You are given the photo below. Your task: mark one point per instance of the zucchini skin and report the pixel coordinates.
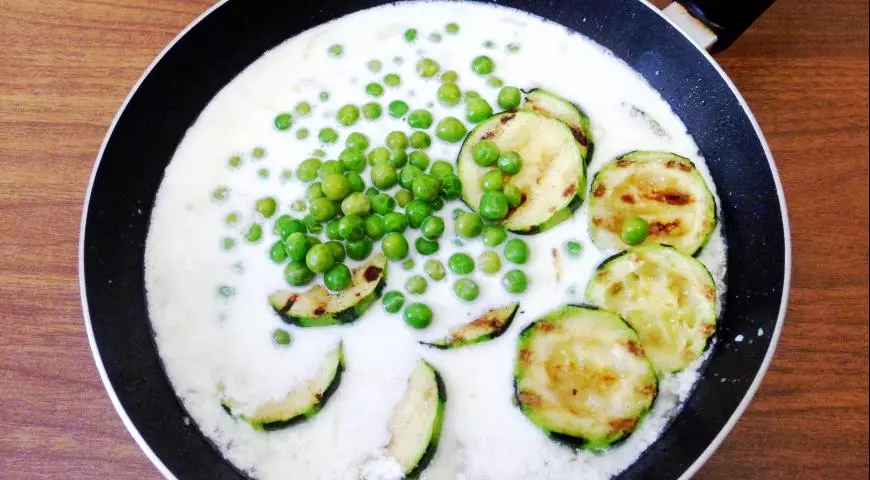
(432, 448)
(446, 344)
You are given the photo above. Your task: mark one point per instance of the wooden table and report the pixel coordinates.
(66, 66)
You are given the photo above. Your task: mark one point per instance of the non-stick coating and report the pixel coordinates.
(236, 33)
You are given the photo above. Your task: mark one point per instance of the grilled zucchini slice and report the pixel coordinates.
(554, 106)
(302, 403)
(582, 377)
(664, 189)
(552, 180)
(668, 297)
(415, 425)
(317, 307)
(487, 327)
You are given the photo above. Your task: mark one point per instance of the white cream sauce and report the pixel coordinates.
(206, 340)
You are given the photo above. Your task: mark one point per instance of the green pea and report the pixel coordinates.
(379, 155)
(426, 247)
(425, 187)
(322, 209)
(358, 141)
(375, 66)
(372, 111)
(416, 285)
(493, 206)
(494, 235)
(477, 110)
(312, 225)
(485, 153)
(452, 28)
(359, 249)
(450, 76)
(353, 159)
(314, 191)
(266, 206)
(451, 187)
(330, 167)
(336, 50)
(407, 176)
(327, 135)
(494, 82)
(516, 251)
(482, 65)
(254, 233)
(418, 315)
(303, 108)
(449, 94)
(286, 225)
(440, 169)
(419, 159)
(492, 181)
(235, 161)
(432, 227)
(397, 140)
(395, 222)
(393, 301)
(351, 227)
(509, 98)
(395, 246)
(392, 79)
(408, 264)
(515, 281)
(337, 250)
(466, 289)
(510, 163)
(513, 47)
(398, 108)
(221, 194)
(450, 130)
(428, 68)
(514, 195)
(468, 225)
(356, 203)
(420, 118)
(337, 278)
(281, 337)
(374, 226)
(332, 230)
(371, 192)
(383, 204)
(357, 184)
(298, 274)
(634, 231)
(336, 187)
(384, 176)
(460, 264)
(347, 115)
(302, 133)
(398, 158)
(277, 252)
(417, 211)
(283, 121)
(232, 218)
(403, 197)
(420, 140)
(258, 152)
(437, 204)
(489, 262)
(411, 34)
(375, 89)
(297, 246)
(263, 173)
(435, 269)
(489, 44)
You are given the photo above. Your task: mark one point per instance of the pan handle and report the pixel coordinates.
(726, 19)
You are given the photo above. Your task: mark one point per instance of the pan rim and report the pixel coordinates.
(687, 474)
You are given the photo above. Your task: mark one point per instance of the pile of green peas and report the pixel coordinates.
(499, 195)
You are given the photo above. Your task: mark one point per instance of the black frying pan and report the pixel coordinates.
(233, 34)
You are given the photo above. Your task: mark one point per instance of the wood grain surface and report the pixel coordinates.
(66, 66)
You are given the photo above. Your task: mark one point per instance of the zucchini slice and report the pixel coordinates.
(487, 327)
(552, 180)
(668, 297)
(415, 425)
(664, 189)
(582, 377)
(554, 106)
(302, 403)
(317, 307)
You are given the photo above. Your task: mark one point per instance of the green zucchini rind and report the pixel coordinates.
(668, 297)
(664, 189)
(317, 307)
(488, 326)
(552, 180)
(301, 403)
(554, 106)
(582, 377)
(415, 425)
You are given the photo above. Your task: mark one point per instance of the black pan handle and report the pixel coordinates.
(728, 19)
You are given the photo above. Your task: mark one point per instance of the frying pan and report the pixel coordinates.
(231, 35)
